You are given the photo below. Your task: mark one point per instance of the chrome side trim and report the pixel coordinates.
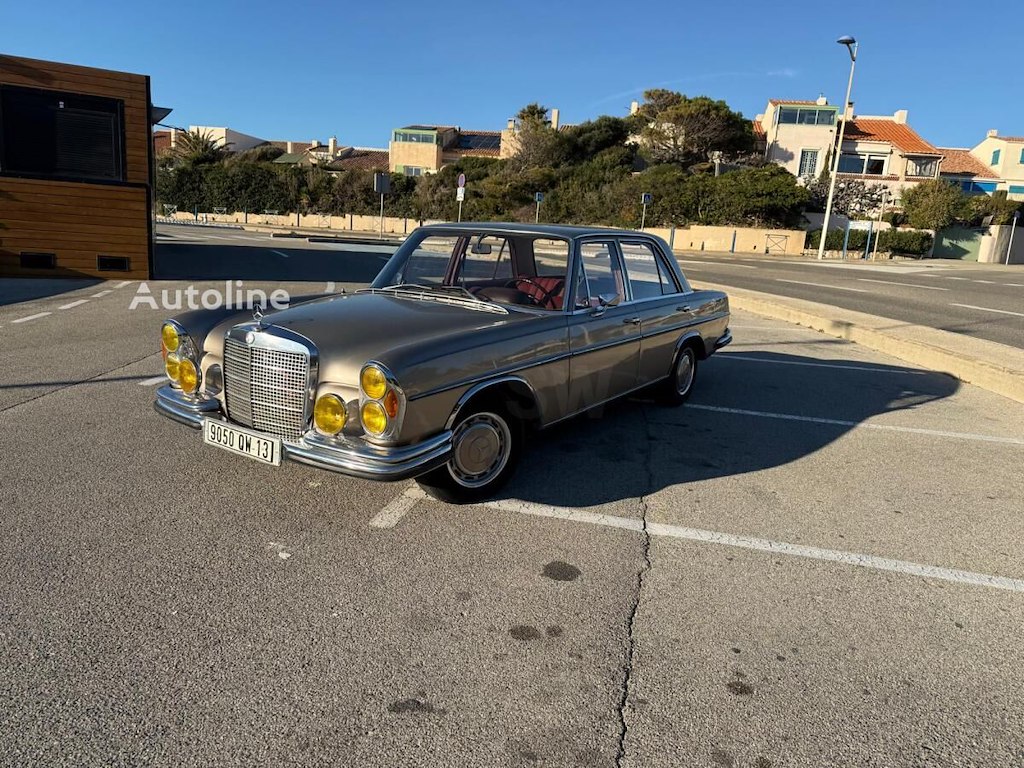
(502, 372)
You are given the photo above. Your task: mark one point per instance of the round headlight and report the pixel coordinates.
(329, 414)
(169, 334)
(374, 382)
(188, 376)
(375, 421)
(171, 367)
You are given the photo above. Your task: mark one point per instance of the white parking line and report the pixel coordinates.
(986, 282)
(861, 425)
(821, 285)
(950, 277)
(74, 304)
(100, 295)
(742, 358)
(282, 255)
(902, 285)
(989, 309)
(122, 284)
(406, 502)
(152, 381)
(31, 317)
(398, 508)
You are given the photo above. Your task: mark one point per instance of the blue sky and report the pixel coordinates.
(305, 70)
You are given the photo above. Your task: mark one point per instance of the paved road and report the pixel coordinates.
(815, 562)
(986, 301)
(981, 300)
(207, 253)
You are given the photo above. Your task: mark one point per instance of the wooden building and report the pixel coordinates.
(76, 171)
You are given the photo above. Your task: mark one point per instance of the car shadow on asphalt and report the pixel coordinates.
(794, 407)
(15, 290)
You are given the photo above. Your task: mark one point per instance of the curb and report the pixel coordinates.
(995, 367)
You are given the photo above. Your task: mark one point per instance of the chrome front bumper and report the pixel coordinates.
(347, 456)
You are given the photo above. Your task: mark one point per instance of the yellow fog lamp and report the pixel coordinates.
(329, 414)
(172, 366)
(188, 376)
(170, 338)
(375, 421)
(373, 382)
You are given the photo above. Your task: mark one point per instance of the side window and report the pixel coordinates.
(599, 274)
(486, 258)
(648, 276)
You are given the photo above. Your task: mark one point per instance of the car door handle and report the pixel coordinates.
(631, 321)
(684, 308)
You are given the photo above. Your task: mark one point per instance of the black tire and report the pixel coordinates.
(676, 389)
(473, 473)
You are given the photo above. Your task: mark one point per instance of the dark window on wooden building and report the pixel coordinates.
(49, 134)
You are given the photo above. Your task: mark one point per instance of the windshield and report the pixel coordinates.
(499, 267)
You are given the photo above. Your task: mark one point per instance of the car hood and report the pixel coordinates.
(350, 329)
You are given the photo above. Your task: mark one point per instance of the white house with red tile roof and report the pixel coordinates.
(797, 134)
(968, 172)
(886, 150)
(1003, 156)
(800, 135)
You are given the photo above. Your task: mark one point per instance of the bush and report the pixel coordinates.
(907, 241)
(834, 241)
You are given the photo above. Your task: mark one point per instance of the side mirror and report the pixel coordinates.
(608, 299)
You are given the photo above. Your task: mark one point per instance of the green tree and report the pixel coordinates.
(981, 207)
(197, 148)
(934, 204)
(687, 131)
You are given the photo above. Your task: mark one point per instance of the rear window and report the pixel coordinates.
(551, 257)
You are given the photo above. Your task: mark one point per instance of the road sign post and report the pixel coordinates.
(1013, 228)
(645, 199)
(539, 198)
(382, 186)
(460, 192)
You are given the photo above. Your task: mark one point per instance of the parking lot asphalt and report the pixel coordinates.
(814, 562)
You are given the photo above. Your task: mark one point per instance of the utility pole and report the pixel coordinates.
(851, 47)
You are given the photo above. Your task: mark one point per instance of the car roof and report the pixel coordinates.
(564, 231)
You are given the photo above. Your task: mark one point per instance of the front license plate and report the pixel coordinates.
(242, 441)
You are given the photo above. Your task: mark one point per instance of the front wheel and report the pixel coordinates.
(676, 389)
(486, 444)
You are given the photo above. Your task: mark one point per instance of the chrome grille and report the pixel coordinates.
(265, 388)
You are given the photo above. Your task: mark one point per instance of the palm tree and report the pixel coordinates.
(198, 148)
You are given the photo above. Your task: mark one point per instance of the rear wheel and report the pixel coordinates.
(486, 444)
(676, 389)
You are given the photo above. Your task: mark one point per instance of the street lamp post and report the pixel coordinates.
(851, 47)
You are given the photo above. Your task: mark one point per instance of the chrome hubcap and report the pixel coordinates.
(480, 449)
(684, 372)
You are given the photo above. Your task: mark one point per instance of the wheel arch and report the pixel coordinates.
(513, 391)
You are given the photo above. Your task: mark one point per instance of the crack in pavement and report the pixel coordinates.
(71, 384)
(642, 571)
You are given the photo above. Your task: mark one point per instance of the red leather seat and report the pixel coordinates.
(547, 291)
